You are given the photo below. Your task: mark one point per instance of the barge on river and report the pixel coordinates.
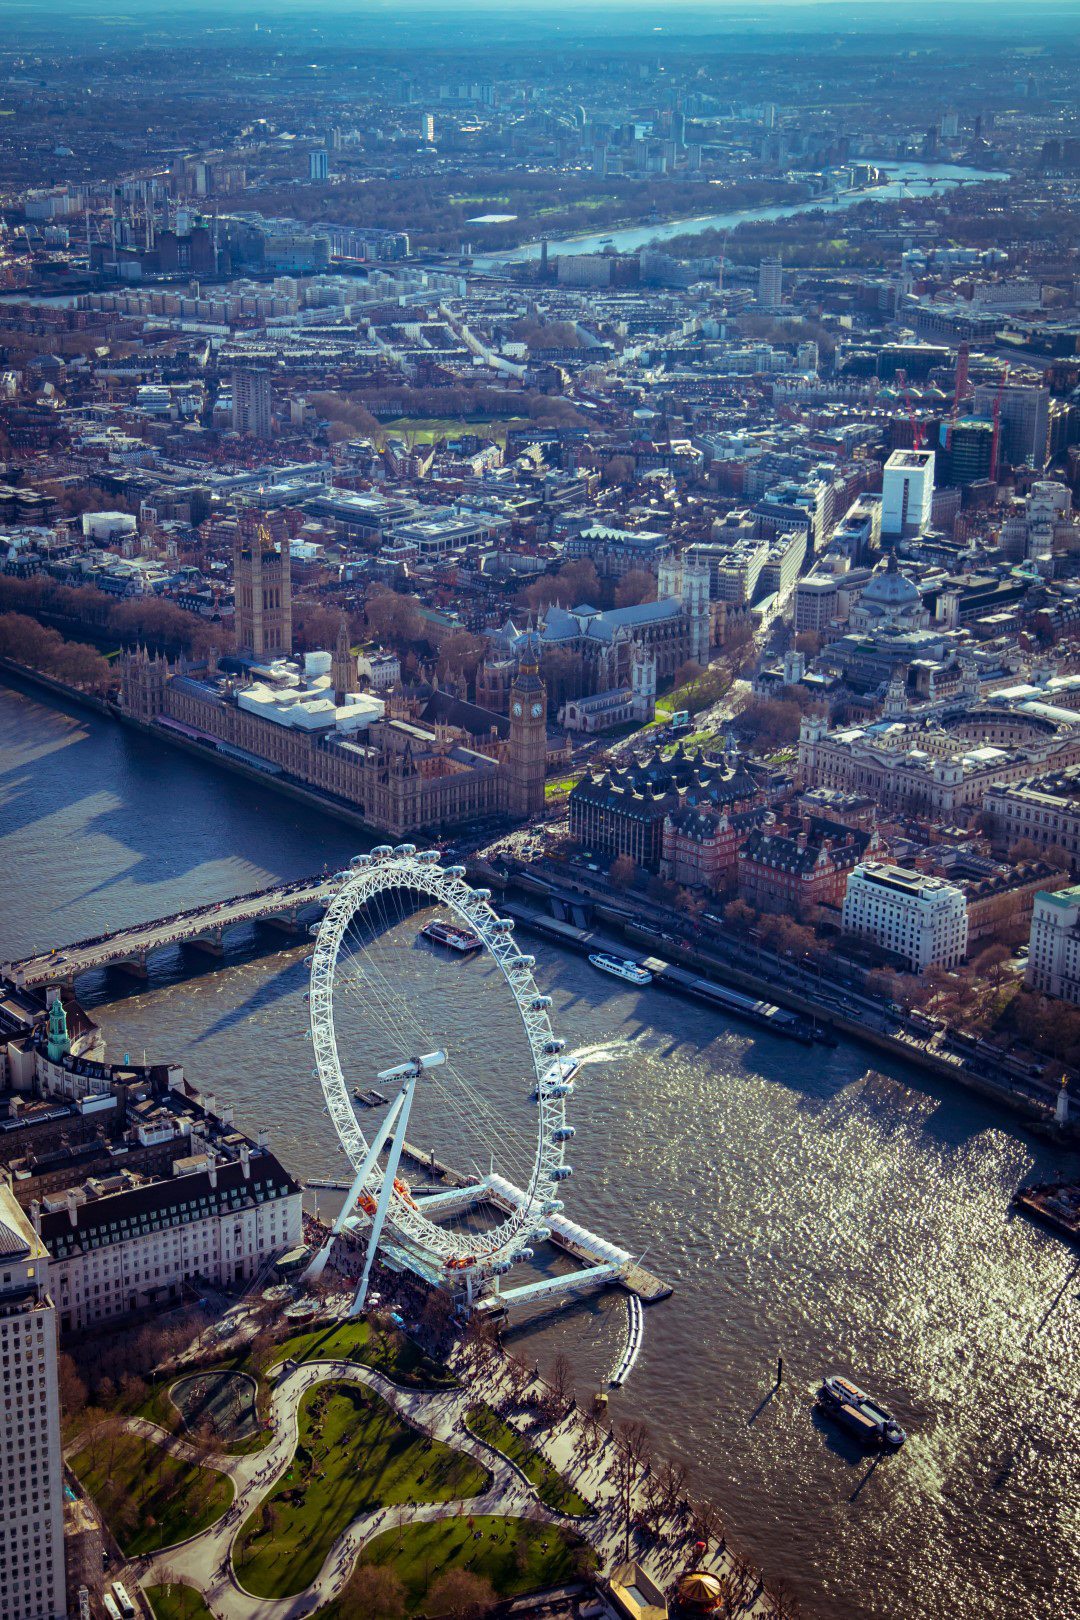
(1055, 1203)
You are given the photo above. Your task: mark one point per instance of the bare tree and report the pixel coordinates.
(373, 1593)
(460, 1593)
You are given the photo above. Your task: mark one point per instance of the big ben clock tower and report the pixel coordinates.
(527, 759)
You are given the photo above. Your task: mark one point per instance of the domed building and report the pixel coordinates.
(889, 601)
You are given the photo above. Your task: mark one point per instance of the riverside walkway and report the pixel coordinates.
(203, 928)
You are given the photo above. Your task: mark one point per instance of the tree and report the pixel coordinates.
(622, 871)
(373, 1593)
(635, 587)
(562, 1380)
(72, 1388)
(990, 962)
(460, 653)
(688, 674)
(392, 617)
(739, 917)
(460, 1593)
(619, 470)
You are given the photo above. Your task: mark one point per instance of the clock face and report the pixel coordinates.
(537, 711)
(517, 711)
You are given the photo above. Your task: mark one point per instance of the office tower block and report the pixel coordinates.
(770, 286)
(31, 1463)
(251, 401)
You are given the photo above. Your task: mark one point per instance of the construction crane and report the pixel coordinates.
(962, 355)
(918, 431)
(995, 442)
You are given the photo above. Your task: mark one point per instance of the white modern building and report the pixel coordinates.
(31, 1462)
(921, 919)
(907, 493)
(1054, 945)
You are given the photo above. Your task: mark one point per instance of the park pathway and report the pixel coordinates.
(205, 1560)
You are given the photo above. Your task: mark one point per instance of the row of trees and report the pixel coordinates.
(32, 644)
(160, 624)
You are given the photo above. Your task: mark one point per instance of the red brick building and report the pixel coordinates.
(787, 870)
(701, 846)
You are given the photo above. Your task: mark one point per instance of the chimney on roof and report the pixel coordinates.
(245, 1162)
(72, 1207)
(210, 1103)
(35, 1214)
(226, 1114)
(211, 1165)
(262, 1137)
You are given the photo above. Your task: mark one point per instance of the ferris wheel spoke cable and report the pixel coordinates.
(399, 1009)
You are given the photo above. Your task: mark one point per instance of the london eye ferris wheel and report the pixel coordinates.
(467, 1037)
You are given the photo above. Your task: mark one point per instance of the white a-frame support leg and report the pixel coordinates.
(318, 1263)
(404, 1104)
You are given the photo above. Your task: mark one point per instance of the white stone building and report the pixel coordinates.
(132, 1243)
(31, 1460)
(921, 919)
(1054, 945)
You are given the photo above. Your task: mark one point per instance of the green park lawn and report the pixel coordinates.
(426, 429)
(177, 1602)
(388, 1351)
(560, 785)
(149, 1498)
(354, 1454)
(554, 1491)
(514, 1555)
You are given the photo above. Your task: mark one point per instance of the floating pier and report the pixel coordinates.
(600, 1263)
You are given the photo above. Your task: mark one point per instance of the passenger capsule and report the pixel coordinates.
(313, 931)
(561, 1088)
(501, 1267)
(454, 871)
(381, 852)
(519, 1256)
(360, 860)
(541, 1234)
(554, 1047)
(403, 851)
(562, 1172)
(428, 857)
(540, 1003)
(502, 925)
(563, 1134)
(554, 1206)
(483, 895)
(526, 962)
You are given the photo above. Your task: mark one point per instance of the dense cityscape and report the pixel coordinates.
(540, 809)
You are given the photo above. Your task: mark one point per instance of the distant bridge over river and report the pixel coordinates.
(201, 929)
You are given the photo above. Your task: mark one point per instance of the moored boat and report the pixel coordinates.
(452, 935)
(857, 1412)
(1055, 1203)
(633, 972)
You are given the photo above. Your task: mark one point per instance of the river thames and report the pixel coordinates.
(851, 1214)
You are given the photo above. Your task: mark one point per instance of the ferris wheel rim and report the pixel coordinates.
(400, 869)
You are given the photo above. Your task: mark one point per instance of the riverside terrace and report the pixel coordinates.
(202, 928)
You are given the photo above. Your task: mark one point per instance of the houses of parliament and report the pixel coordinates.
(403, 766)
